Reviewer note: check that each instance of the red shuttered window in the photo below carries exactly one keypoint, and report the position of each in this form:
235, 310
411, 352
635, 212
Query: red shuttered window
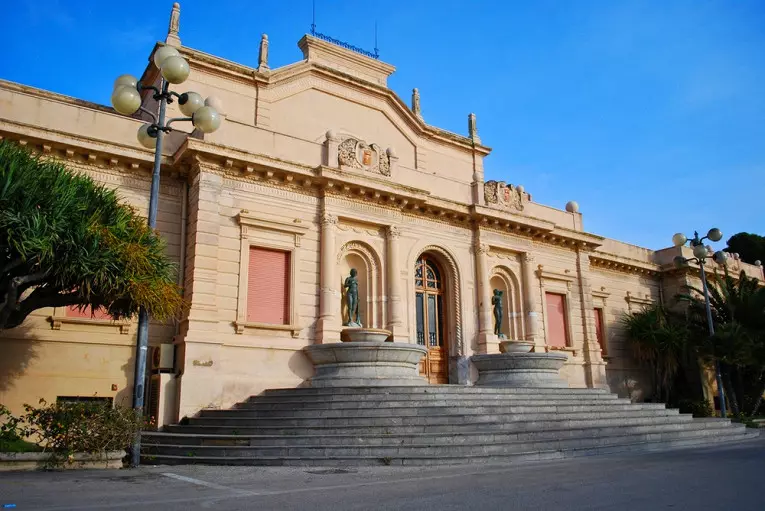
73, 312
268, 286
599, 331
556, 320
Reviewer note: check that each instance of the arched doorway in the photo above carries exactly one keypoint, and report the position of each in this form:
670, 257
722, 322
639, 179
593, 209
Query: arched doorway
430, 318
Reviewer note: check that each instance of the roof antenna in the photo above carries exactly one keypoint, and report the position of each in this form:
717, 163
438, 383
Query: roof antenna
313, 20
377, 53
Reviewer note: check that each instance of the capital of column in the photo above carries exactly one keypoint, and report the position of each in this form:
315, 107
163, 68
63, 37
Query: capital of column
481, 248
328, 219
393, 232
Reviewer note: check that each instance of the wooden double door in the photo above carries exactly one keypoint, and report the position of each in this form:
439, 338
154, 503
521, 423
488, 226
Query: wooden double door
430, 320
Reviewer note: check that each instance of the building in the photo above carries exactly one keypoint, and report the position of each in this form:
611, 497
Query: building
320, 168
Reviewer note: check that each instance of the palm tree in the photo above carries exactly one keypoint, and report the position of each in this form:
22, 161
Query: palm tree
658, 341
738, 312
66, 241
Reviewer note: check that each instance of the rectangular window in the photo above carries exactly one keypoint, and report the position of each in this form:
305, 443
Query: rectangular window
557, 334
599, 331
268, 286
74, 312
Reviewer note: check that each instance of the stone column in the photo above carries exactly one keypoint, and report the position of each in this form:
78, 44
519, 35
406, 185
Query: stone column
328, 328
487, 341
395, 316
594, 366
531, 301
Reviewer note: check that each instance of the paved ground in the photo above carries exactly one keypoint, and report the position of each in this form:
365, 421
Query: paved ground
716, 479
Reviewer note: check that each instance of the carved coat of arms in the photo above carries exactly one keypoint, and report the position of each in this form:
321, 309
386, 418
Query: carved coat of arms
499, 193
360, 155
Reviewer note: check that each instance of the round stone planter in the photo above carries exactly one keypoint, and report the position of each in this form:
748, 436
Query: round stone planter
520, 370
365, 364
41, 460
364, 335
515, 346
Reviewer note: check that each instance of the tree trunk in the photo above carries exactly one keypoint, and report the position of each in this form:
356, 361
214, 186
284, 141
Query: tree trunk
731, 394
757, 403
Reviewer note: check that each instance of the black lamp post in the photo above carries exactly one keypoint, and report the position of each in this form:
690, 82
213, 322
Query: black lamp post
701, 254
126, 99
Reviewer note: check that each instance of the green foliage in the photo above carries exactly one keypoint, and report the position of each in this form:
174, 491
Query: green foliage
65, 240
10, 429
68, 428
697, 407
750, 247
658, 340
663, 340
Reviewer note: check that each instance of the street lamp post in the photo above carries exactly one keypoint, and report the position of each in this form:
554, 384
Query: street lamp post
701, 254
126, 99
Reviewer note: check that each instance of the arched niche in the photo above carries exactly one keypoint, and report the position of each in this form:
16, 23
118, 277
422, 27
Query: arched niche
362, 257
504, 279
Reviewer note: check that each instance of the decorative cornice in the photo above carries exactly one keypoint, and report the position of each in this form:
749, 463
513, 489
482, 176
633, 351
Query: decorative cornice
566, 276
638, 300
613, 262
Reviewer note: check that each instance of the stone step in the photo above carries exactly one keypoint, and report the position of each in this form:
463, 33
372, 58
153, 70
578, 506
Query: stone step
427, 438
467, 426
429, 411
416, 419
429, 396
427, 449
424, 389
418, 400
548, 454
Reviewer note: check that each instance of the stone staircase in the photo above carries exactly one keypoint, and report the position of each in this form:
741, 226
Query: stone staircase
428, 425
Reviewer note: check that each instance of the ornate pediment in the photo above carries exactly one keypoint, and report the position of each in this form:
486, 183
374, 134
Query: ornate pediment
500, 194
358, 154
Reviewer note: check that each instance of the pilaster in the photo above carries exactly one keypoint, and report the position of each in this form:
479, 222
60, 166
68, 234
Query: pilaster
531, 301
594, 366
395, 313
328, 327
199, 344
487, 341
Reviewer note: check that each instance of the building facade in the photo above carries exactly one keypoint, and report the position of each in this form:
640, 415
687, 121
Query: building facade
320, 168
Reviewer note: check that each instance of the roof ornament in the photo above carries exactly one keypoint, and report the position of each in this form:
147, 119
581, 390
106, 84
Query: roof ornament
473, 129
172, 38
416, 103
263, 53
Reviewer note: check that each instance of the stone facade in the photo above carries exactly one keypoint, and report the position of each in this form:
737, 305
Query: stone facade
320, 160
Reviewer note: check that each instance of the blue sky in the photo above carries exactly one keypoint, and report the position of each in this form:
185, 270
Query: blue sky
651, 114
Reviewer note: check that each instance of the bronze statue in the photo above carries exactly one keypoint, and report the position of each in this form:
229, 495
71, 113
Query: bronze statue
352, 298
496, 301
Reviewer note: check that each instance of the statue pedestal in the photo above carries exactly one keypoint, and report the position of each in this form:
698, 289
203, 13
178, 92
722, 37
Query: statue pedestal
539, 370
366, 363
358, 334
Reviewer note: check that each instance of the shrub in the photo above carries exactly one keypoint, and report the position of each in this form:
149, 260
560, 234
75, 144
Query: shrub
93, 428
699, 407
9, 427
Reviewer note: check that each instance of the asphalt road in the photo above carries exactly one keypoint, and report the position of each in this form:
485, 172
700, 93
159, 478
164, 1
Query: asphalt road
718, 478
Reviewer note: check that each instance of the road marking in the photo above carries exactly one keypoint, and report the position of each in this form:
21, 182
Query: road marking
207, 484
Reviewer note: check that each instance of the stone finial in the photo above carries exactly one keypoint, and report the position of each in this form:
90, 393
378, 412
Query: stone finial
572, 206
263, 53
473, 129
172, 38
416, 103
